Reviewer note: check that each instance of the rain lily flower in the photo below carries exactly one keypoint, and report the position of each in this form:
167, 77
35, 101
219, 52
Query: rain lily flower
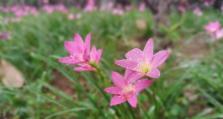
208, 2
197, 11
107, 6
4, 36
55, 8
71, 16
118, 11
142, 7
219, 34
126, 88
90, 5
182, 6
212, 27
144, 62
80, 54
48, 9
214, 30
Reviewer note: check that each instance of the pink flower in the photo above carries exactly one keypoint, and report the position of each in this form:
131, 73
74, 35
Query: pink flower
80, 54
48, 9
118, 11
144, 62
212, 27
71, 16
219, 34
142, 7
55, 8
208, 2
90, 5
126, 88
197, 11
4, 36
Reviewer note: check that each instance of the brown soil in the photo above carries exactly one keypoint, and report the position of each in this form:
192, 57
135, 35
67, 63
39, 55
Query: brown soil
62, 83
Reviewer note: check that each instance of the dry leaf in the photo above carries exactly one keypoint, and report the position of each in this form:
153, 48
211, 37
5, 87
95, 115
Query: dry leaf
11, 77
141, 24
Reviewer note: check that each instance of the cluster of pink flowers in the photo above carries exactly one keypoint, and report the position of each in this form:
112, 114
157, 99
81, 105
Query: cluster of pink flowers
214, 29
90, 6
20, 11
55, 8
139, 66
81, 55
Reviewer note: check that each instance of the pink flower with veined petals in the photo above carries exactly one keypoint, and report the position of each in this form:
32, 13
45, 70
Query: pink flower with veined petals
126, 88
212, 27
80, 54
144, 62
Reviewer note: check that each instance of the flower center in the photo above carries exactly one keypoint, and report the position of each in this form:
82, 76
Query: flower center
128, 89
144, 67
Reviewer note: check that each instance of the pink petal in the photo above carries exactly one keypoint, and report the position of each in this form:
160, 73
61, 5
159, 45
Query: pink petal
88, 43
78, 39
93, 53
134, 54
159, 58
142, 84
98, 55
126, 63
113, 90
148, 50
117, 100
132, 76
69, 46
117, 79
68, 60
133, 101
84, 67
154, 73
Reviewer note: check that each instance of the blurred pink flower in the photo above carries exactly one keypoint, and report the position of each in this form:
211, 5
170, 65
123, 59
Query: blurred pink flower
208, 2
107, 6
4, 35
71, 16
24, 10
142, 7
118, 11
197, 11
215, 30
80, 54
182, 6
212, 27
48, 9
55, 8
126, 88
90, 6
61, 8
144, 62
219, 34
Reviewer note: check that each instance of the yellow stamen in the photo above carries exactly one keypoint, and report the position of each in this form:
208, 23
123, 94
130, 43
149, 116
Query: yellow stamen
144, 68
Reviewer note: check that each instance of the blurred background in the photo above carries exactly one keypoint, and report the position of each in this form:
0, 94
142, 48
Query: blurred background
33, 84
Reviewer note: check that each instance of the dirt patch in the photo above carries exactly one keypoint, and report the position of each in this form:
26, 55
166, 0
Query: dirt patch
62, 83
194, 48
